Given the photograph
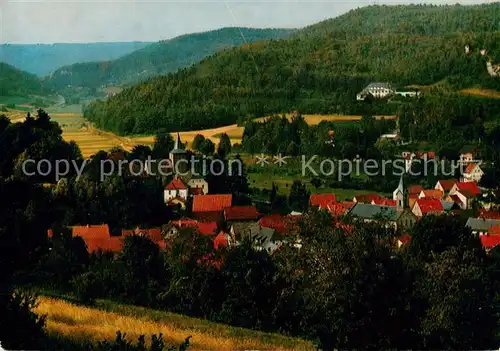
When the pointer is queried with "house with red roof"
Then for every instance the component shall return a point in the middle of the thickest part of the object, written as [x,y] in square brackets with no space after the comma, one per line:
[223,240]
[366,199]
[403,240]
[489,214]
[210,208]
[91,231]
[322,200]
[204,228]
[241,213]
[340,208]
[154,234]
[445,185]
[463,194]
[472,173]
[431,194]
[424,207]
[176,189]
[281,224]
[489,242]
[385,202]
[113,244]
[197,185]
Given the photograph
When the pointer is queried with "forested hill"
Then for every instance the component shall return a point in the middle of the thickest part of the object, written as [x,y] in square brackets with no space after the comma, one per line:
[14,82]
[159,58]
[311,71]
[410,19]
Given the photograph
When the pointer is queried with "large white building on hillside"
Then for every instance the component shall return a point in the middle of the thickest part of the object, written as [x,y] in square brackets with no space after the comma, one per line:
[377,90]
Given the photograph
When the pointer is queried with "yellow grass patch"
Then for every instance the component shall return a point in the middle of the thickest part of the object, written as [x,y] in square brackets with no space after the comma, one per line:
[317,119]
[234,132]
[84,323]
[487,93]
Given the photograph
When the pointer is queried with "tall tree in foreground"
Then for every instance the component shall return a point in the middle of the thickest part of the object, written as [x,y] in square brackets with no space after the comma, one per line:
[224,147]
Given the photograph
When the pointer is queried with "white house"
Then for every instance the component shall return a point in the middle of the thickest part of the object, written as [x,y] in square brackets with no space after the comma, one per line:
[377,90]
[176,189]
[198,183]
[473,173]
[411,94]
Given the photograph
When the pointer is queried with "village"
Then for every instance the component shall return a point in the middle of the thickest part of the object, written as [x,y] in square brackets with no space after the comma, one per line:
[216,216]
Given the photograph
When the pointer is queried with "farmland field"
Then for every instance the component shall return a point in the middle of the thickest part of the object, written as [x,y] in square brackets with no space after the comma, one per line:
[91,140]
[82,324]
[486,93]
[317,119]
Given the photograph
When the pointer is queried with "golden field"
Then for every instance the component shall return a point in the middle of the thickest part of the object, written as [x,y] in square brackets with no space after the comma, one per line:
[79,323]
[317,119]
[487,93]
[91,140]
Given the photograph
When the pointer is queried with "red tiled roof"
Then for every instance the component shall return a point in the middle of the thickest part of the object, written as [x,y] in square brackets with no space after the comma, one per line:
[207,228]
[494,230]
[430,205]
[239,213]
[112,243]
[490,242]
[221,240]
[471,186]
[415,189]
[385,202]
[91,231]
[276,222]
[195,191]
[211,203]
[404,239]
[433,194]
[447,184]
[339,208]
[367,198]
[322,200]
[489,214]
[176,184]
[470,168]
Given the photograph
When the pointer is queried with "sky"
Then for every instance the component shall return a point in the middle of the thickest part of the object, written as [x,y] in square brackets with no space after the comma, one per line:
[85,21]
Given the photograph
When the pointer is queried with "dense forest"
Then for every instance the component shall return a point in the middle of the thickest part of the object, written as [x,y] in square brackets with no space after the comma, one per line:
[419,20]
[314,73]
[14,82]
[159,58]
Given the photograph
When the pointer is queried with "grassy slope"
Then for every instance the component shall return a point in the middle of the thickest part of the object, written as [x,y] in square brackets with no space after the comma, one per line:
[81,324]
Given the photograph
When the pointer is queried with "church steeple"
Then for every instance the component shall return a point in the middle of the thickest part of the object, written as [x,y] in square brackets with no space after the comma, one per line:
[177,142]
[399,194]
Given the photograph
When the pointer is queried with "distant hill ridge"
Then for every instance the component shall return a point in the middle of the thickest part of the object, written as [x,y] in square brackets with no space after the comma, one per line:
[42,59]
[159,58]
[318,69]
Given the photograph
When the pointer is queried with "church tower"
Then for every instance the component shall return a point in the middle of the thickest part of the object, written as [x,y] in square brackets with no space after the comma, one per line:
[399,194]
[177,154]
